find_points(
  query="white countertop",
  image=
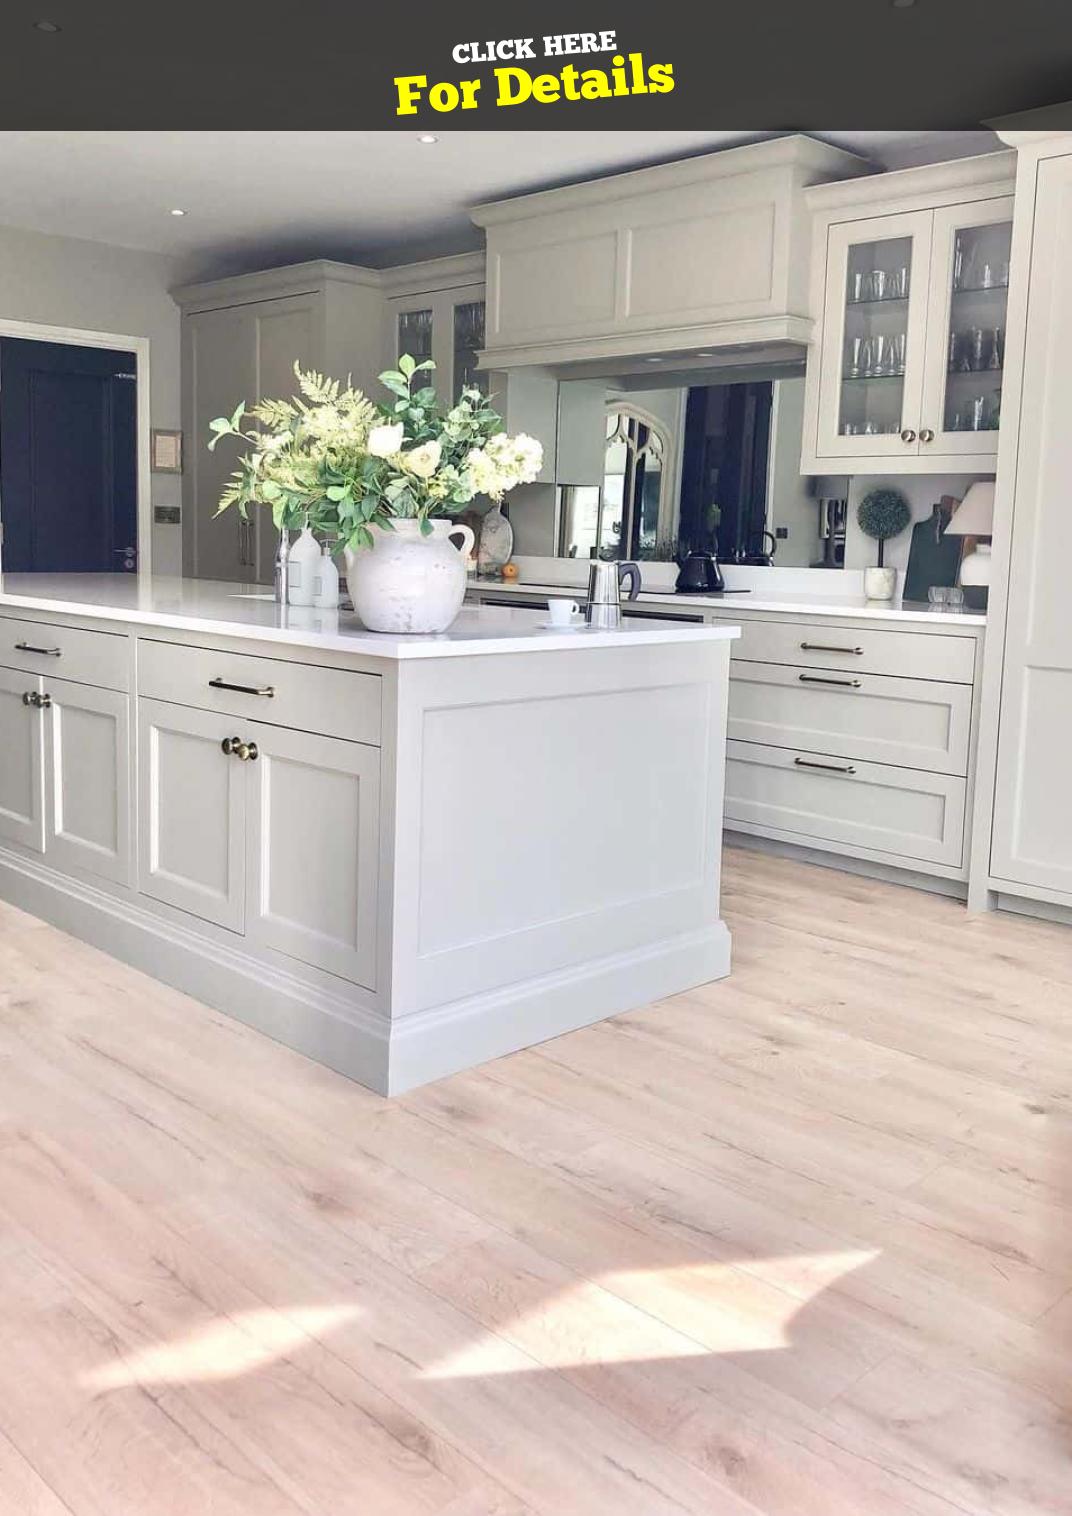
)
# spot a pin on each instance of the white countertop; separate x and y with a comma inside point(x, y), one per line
point(236, 610)
point(787, 601)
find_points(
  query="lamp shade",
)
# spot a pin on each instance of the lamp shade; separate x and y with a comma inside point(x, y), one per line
point(974, 516)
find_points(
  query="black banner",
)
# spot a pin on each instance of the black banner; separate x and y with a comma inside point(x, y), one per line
point(587, 65)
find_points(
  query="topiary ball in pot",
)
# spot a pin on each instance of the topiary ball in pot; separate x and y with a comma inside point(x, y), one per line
point(883, 514)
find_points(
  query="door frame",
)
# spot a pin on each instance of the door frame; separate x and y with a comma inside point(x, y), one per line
point(72, 336)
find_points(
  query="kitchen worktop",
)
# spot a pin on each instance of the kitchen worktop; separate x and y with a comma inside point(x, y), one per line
point(222, 609)
point(789, 602)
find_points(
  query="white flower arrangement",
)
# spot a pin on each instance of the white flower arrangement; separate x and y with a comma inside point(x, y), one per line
point(332, 457)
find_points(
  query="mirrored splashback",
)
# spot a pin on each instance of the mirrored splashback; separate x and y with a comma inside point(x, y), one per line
point(713, 467)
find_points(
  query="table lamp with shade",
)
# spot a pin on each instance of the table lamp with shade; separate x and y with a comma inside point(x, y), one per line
point(974, 517)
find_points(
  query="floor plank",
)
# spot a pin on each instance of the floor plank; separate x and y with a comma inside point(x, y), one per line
point(796, 1244)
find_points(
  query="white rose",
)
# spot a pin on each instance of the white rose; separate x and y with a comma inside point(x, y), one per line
point(424, 460)
point(482, 472)
point(528, 454)
point(385, 441)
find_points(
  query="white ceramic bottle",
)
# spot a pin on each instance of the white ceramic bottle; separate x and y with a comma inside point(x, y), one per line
point(326, 583)
point(304, 562)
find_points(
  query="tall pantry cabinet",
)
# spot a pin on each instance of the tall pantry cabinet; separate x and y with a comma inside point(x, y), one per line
point(1026, 736)
point(240, 340)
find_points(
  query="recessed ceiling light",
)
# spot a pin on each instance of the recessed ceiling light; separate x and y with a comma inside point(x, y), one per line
point(705, 354)
point(45, 26)
point(176, 211)
point(427, 139)
point(653, 360)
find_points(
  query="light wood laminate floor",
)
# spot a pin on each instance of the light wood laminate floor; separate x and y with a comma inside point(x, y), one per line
point(798, 1243)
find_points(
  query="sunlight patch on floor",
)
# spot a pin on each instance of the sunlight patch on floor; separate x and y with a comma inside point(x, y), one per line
point(604, 1321)
point(223, 1349)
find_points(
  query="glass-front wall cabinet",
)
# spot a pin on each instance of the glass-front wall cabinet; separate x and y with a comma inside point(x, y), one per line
point(448, 327)
point(913, 335)
point(962, 396)
point(877, 293)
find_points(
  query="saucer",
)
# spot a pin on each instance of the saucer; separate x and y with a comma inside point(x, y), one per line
point(573, 625)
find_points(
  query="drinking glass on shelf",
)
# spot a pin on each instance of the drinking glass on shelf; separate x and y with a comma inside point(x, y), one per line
point(997, 349)
point(899, 282)
point(879, 283)
point(897, 353)
point(938, 595)
point(880, 356)
point(978, 348)
point(857, 357)
point(954, 351)
point(857, 287)
point(954, 598)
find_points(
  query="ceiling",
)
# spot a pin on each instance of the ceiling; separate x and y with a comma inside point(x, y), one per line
point(258, 199)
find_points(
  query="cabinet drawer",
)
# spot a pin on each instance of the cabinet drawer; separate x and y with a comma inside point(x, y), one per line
point(911, 655)
point(334, 702)
point(66, 652)
point(915, 723)
point(904, 813)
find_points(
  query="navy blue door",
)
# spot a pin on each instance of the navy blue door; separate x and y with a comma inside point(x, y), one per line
point(68, 458)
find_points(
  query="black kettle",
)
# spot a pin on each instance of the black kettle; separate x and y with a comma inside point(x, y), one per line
point(699, 575)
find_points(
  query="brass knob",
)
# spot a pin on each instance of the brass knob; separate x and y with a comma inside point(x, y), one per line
point(30, 698)
point(926, 435)
point(234, 747)
point(908, 435)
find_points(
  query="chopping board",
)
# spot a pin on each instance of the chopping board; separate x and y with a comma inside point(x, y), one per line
point(933, 557)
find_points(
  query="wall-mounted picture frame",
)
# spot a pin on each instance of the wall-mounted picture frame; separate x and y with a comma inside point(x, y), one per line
point(165, 451)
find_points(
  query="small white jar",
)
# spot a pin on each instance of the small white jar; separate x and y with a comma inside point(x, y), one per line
point(326, 583)
point(304, 561)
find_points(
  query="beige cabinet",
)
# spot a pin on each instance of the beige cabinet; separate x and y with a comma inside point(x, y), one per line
point(900, 816)
point(268, 832)
point(191, 810)
point(240, 341)
point(713, 251)
point(87, 770)
point(1029, 677)
point(906, 370)
point(312, 855)
point(437, 310)
point(22, 805)
point(852, 738)
point(65, 775)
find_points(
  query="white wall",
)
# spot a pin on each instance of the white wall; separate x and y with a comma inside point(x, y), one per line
point(64, 281)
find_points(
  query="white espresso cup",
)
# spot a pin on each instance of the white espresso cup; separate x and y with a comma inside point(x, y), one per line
point(562, 612)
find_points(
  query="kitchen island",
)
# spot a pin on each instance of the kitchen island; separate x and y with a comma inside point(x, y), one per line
point(401, 856)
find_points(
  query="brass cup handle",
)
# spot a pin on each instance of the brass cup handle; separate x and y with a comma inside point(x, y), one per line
point(234, 747)
point(908, 435)
point(926, 435)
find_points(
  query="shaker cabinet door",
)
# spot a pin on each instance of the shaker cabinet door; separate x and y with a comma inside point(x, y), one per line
point(1032, 837)
point(87, 768)
point(313, 850)
point(969, 295)
point(191, 800)
point(874, 332)
point(22, 812)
